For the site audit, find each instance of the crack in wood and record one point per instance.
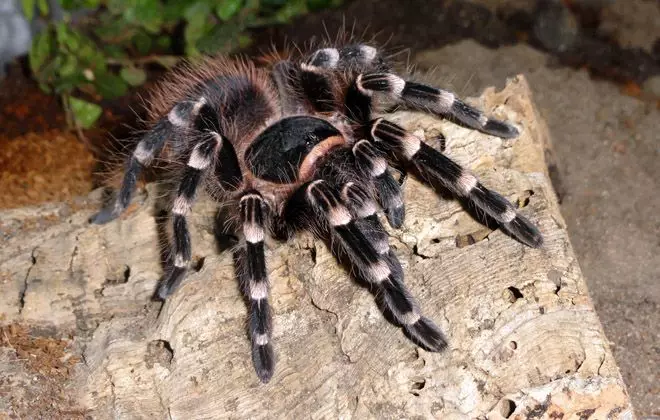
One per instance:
(26, 280)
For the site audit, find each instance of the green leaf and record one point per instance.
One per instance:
(244, 41)
(228, 8)
(117, 7)
(85, 113)
(45, 88)
(149, 14)
(290, 10)
(67, 37)
(167, 61)
(43, 7)
(114, 30)
(164, 42)
(67, 84)
(79, 4)
(40, 51)
(28, 9)
(220, 39)
(142, 43)
(273, 3)
(197, 13)
(322, 4)
(109, 85)
(174, 10)
(133, 76)
(69, 67)
(114, 51)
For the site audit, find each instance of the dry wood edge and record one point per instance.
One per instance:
(525, 339)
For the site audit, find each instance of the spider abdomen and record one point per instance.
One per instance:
(288, 150)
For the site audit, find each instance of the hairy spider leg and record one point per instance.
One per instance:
(352, 57)
(200, 160)
(149, 146)
(371, 161)
(382, 271)
(254, 280)
(302, 86)
(313, 83)
(364, 211)
(432, 100)
(433, 165)
(395, 298)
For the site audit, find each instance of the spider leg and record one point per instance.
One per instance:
(303, 85)
(370, 160)
(352, 56)
(285, 74)
(432, 100)
(364, 210)
(147, 149)
(313, 83)
(435, 166)
(199, 162)
(254, 278)
(377, 266)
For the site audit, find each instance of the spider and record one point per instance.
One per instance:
(302, 142)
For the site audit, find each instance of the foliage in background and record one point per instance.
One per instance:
(101, 47)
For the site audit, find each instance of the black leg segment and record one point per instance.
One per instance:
(147, 149)
(199, 162)
(371, 161)
(432, 100)
(379, 267)
(435, 166)
(149, 146)
(252, 267)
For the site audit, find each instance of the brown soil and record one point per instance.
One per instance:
(41, 159)
(40, 366)
(42, 167)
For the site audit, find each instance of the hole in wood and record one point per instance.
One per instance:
(472, 238)
(198, 263)
(555, 277)
(513, 345)
(514, 294)
(119, 276)
(523, 200)
(507, 407)
(159, 351)
(417, 385)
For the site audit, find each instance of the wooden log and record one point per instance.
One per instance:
(525, 341)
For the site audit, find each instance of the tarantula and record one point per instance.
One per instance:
(295, 143)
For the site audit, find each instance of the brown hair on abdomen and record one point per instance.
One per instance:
(241, 93)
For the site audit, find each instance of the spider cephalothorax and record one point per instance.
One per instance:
(296, 144)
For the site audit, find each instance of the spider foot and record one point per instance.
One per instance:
(426, 334)
(171, 282)
(263, 359)
(500, 129)
(104, 216)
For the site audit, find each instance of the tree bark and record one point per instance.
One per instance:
(525, 341)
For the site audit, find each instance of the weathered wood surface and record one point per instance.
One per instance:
(525, 339)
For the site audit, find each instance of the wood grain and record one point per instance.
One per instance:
(525, 341)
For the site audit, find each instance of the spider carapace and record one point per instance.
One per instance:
(304, 143)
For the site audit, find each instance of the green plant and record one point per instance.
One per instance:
(101, 47)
